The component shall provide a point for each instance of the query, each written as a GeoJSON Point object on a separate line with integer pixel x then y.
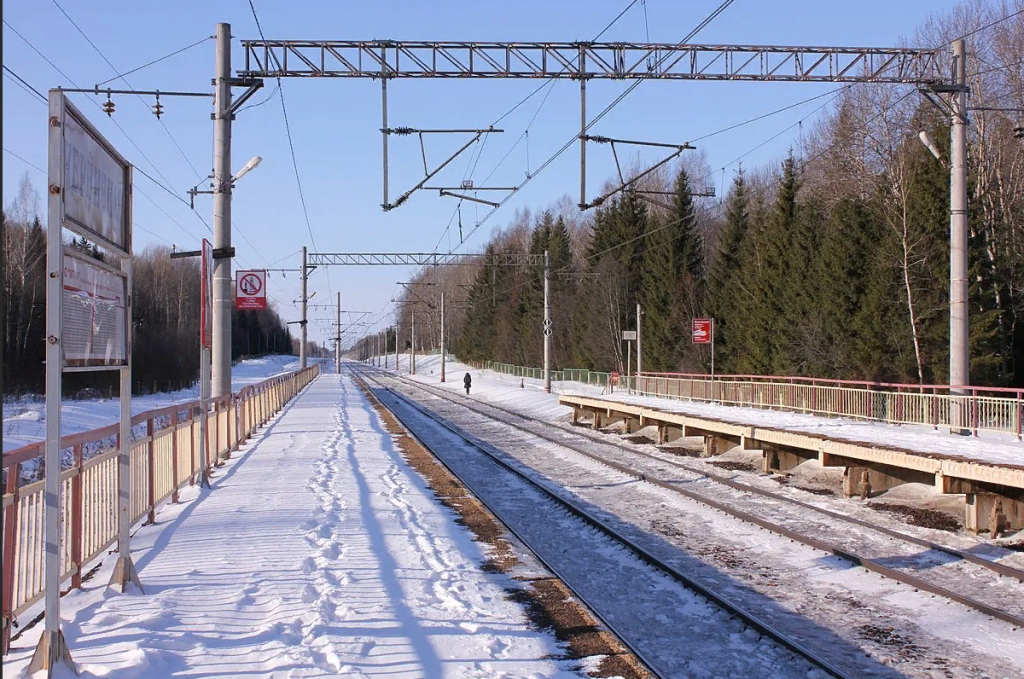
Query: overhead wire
{"type": "Point", "coordinates": [707, 20]}
{"type": "Point", "coordinates": [116, 124]}
{"type": "Point", "coordinates": [134, 223]}
{"type": "Point", "coordinates": [125, 81]}
{"type": "Point", "coordinates": [291, 145]}
{"type": "Point", "coordinates": [21, 81]}
{"type": "Point", "coordinates": [550, 84]}
{"type": "Point", "coordinates": [157, 61]}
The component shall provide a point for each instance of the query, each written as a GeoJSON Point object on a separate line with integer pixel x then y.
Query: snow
{"type": "Point", "coordinates": [504, 389]}
{"type": "Point", "coordinates": [318, 552]}
{"type": "Point", "coordinates": [25, 418]}
{"type": "Point", "coordinates": [991, 448]}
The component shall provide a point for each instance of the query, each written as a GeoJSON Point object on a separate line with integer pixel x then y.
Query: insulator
{"type": "Point", "coordinates": [158, 109]}
{"type": "Point", "coordinates": [108, 107]}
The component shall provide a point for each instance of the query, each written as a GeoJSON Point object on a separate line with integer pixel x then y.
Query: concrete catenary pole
{"type": "Point", "coordinates": [413, 343]}
{"type": "Point", "coordinates": [396, 346]}
{"type": "Point", "coordinates": [222, 282]}
{"type": "Point", "coordinates": [443, 349]}
{"type": "Point", "coordinates": [303, 322]}
{"type": "Point", "coordinates": [959, 359]}
{"type": "Point", "coordinates": [547, 323]}
{"type": "Point", "coordinates": [337, 339]}
{"type": "Point", "coordinates": [639, 362]}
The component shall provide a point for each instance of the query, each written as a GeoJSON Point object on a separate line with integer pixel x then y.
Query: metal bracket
{"type": "Point", "coordinates": [253, 85]}
{"type": "Point", "coordinates": [223, 253]}
{"type": "Point", "coordinates": [679, 148]}
{"type": "Point", "coordinates": [477, 133]}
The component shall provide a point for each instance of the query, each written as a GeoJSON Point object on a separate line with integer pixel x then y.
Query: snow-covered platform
{"type": "Point", "coordinates": [988, 471]}
{"type": "Point", "coordinates": [317, 552]}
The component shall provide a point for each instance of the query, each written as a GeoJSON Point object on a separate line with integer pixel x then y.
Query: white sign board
{"type": "Point", "coordinates": [251, 290]}
{"type": "Point", "coordinates": [95, 185]}
{"type": "Point", "coordinates": [629, 335]}
{"type": "Point", "coordinates": [95, 314]}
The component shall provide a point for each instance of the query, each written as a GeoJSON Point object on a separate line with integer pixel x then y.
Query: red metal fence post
{"type": "Point", "coordinates": [10, 531]}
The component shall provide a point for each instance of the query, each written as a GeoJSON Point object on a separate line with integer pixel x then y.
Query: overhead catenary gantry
{"type": "Point", "coordinates": [928, 69]}
{"type": "Point", "coordinates": [583, 61]}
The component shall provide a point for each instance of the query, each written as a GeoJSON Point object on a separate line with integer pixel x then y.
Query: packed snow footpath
{"type": "Point", "coordinates": [25, 418]}
{"type": "Point", "coordinates": [317, 552]}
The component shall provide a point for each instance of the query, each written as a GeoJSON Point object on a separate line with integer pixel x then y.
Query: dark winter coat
{"type": "Point", "coordinates": [467, 380]}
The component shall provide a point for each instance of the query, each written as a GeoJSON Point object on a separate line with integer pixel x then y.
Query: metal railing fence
{"type": "Point", "coordinates": [162, 461]}
{"type": "Point", "coordinates": [975, 409]}
{"type": "Point", "coordinates": [994, 409]}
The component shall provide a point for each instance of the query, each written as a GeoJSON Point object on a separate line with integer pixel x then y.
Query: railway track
{"type": "Point", "coordinates": [964, 564]}
{"type": "Point", "coordinates": [629, 572]}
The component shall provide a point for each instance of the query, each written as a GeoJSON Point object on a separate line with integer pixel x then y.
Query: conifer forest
{"type": "Point", "coordinates": [831, 262]}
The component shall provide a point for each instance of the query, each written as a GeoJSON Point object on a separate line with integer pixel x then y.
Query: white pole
{"type": "Point", "coordinates": [51, 648]}
{"type": "Point", "coordinates": [222, 282]}
{"type": "Point", "coordinates": [124, 568]}
{"type": "Point", "coordinates": [337, 343]}
{"type": "Point", "coordinates": [443, 349]}
{"type": "Point", "coordinates": [413, 343]}
{"type": "Point", "coordinates": [302, 322]}
{"type": "Point", "coordinates": [959, 355]}
{"type": "Point", "coordinates": [204, 395]}
{"type": "Point", "coordinates": [547, 324]}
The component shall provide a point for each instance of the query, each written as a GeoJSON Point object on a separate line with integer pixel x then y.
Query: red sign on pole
{"type": "Point", "coordinates": [251, 290]}
{"type": "Point", "coordinates": [206, 296]}
{"type": "Point", "coordinates": [703, 330]}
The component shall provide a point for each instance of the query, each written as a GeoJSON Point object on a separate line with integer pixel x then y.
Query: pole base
{"type": "Point", "coordinates": [124, 573]}
{"type": "Point", "coordinates": [50, 650]}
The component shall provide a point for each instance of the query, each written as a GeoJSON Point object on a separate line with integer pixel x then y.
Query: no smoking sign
{"type": "Point", "coordinates": [251, 290]}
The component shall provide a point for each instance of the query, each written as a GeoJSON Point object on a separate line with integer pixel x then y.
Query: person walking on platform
{"type": "Point", "coordinates": [467, 381]}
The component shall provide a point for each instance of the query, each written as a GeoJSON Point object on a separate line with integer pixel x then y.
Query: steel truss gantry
{"type": "Point", "coordinates": [587, 60]}
{"type": "Point", "coordinates": [934, 71]}
{"type": "Point", "coordinates": [422, 259]}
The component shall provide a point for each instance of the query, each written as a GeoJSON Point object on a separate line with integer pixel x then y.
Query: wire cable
{"type": "Point", "coordinates": [291, 146]}
{"type": "Point", "coordinates": [707, 20]}
{"type": "Point", "coordinates": [22, 82]}
{"type": "Point", "coordinates": [156, 61]}
{"type": "Point", "coordinates": [125, 81]}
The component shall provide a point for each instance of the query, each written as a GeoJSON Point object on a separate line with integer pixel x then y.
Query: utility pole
{"type": "Point", "coordinates": [302, 323]}
{"type": "Point", "coordinates": [639, 363]}
{"type": "Point", "coordinates": [547, 323]}
{"type": "Point", "coordinates": [337, 339]}
{"type": "Point", "coordinates": [442, 337]}
{"type": "Point", "coordinates": [959, 356]}
{"type": "Point", "coordinates": [222, 282]}
{"type": "Point", "coordinates": [413, 316]}
{"type": "Point", "coordinates": [396, 346]}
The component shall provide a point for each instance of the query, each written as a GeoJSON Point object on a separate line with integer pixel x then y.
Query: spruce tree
{"type": "Point", "coordinates": [727, 299]}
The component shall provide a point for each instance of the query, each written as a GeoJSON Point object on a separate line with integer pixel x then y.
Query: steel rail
{"type": "Point", "coordinates": [852, 557]}
{"type": "Point", "coordinates": [999, 568]}
{"type": "Point", "coordinates": [750, 619]}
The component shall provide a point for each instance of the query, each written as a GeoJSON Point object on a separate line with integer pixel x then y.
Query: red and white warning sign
{"type": "Point", "coordinates": [703, 331]}
{"type": "Point", "coordinates": [251, 290]}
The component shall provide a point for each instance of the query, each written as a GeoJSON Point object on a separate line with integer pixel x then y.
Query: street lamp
{"type": "Point", "coordinates": [251, 165]}
{"type": "Point", "coordinates": [930, 144]}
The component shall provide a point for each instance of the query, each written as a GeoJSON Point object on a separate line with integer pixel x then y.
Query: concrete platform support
{"type": "Point", "coordinates": [633, 424]}
{"type": "Point", "coordinates": [992, 513]}
{"type": "Point", "coordinates": [879, 481]}
{"type": "Point", "coordinates": [775, 459]}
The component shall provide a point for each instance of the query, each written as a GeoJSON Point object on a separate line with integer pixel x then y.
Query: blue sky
{"type": "Point", "coordinates": [335, 123]}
